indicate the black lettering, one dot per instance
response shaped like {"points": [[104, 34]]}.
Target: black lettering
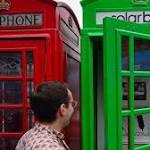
{"points": [[113, 16], [126, 16], [28, 20], [138, 18], [146, 17], [2, 20], [37, 20], [10, 20], [121, 17], [19, 20], [132, 18]]}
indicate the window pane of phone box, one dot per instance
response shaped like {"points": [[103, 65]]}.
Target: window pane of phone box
{"points": [[125, 125], [10, 64], [30, 65], [142, 54], [31, 119], [10, 92], [10, 120], [142, 130], [8, 143], [141, 92]]}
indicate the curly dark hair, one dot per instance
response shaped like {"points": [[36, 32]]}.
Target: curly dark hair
{"points": [[46, 100]]}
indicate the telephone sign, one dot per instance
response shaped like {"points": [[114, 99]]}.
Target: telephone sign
{"points": [[34, 19]]}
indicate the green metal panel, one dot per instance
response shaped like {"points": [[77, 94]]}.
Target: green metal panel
{"points": [[88, 115], [114, 30], [91, 7], [110, 87]]}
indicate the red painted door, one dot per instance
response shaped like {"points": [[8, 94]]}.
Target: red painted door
{"points": [[21, 68]]}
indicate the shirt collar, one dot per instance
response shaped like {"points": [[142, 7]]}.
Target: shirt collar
{"points": [[41, 127]]}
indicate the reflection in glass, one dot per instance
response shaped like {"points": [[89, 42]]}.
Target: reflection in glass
{"points": [[8, 143], [125, 92], [10, 120], [125, 53], [10, 64], [73, 79], [142, 55], [30, 119], [30, 87], [125, 133], [30, 65], [142, 130], [10, 92], [141, 92]]}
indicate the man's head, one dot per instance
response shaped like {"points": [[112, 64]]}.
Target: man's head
{"points": [[52, 100]]}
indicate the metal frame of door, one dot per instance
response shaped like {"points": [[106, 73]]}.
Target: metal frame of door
{"points": [[114, 30]]}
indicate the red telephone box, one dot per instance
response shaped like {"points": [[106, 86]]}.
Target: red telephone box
{"points": [[39, 41]]}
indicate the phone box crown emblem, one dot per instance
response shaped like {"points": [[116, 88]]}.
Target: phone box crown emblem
{"points": [[4, 4]]}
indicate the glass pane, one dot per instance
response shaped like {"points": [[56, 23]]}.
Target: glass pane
{"points": [[142, 130], [125, 92], [125, 133], [8, 143], [10, 120], [125, 53], [10, 64], [142, 55], [73, 79], [11, 92], [30, 119], [141, 92], [30, 87], [30, 65]]}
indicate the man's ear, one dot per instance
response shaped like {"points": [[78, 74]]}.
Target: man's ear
{"points": [[62, 110]]}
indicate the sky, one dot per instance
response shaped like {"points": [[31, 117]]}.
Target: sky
{"points": [[76, 7]]}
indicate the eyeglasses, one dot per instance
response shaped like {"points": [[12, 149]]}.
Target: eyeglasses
{"points": [[73, 103]]}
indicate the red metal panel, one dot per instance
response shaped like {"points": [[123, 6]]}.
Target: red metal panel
{"points": [[23, 46], [46, 8], [24, 89], [43, 39]]}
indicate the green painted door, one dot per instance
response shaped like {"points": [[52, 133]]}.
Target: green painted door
{"points": [[126, 85]]}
